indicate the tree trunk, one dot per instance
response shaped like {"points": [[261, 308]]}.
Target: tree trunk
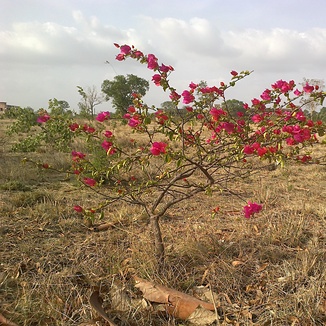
{"points": [[158, 241]]}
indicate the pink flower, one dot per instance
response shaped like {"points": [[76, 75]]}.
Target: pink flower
{"points": [[256, 118], [77, 155], [158, 148], [260, 131], [248, 149], [108, 134], [298, 138], [272, 149], [300, 116], [174, 96], [78, 209], [90, 182], [134, 122], [106, 145], [304, 158], [214, 89], [255, 101], [103, 116], [138, 54], [161, 117], [120, 57], [151, 61], [131, 109], [187, 97], [234, 73], [193, 85], [290, 141], [310, 123], [43, 118], [165, 68], [125, 49], [255, 146], [251, 209], [88, 129], [297, 92], [262, 151], [229, 127], [111, 151], [216, 113], [283, 86], [74, 126], [266, 95], [157, 79], [308, 89]]}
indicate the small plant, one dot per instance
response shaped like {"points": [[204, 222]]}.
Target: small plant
{"points": [[207, 148], [56, 134]]}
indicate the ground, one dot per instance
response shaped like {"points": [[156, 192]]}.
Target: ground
{"points": [[268, 270]]}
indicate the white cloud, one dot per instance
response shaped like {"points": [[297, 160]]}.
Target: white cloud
{"points": [[56, 57], [284, 50]]}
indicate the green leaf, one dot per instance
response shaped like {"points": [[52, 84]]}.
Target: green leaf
{"points": [[179, 162], [147, 120], [101, 216]]}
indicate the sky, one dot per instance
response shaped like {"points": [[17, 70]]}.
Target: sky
{"points": [[49, 47]]}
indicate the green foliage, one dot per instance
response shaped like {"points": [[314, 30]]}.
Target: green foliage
{"points": [[121, 89], [25, 120], [233, 107], [55, 132], [317, 115], [14, 185], [59, 108], [172, 109]]}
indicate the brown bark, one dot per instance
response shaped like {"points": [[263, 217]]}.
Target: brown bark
{"points": [[158, 240]]}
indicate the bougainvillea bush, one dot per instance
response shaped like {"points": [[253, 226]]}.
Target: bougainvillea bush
{"points": [[202, 148]]}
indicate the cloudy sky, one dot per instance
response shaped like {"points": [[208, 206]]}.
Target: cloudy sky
{"points": [[49, 47]]}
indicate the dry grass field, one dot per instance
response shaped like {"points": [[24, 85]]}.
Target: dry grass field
{"points": [[269, 270]]}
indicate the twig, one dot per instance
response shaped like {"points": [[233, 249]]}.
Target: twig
{"points": [[94, 300], [215, 308]]}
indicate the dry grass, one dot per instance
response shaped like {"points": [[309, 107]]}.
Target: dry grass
{"points": [[269, 270]]}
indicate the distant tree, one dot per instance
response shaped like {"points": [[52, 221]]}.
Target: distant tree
{"points": [[168, 105], [46, 127], [322, 114], [120, 91], [317, 115], [25, 118], [15, 111], [233, 107], [171, 109], [90, 99], [59, 107]]}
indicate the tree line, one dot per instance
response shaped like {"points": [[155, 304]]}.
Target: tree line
{"points": [[120, 92]]}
